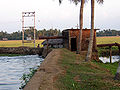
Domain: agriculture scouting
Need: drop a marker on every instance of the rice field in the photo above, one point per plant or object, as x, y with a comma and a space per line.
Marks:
108, 40
18, 43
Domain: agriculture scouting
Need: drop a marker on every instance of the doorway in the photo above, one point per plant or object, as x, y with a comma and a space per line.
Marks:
73, 44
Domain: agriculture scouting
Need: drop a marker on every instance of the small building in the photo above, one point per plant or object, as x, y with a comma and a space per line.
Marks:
69, 40
71, 37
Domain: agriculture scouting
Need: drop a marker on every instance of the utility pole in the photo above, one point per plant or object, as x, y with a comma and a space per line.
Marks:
27, 14
22, 28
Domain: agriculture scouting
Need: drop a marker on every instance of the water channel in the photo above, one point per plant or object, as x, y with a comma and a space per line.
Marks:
12, 69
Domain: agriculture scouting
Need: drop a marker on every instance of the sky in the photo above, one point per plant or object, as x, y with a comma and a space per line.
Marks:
49, 14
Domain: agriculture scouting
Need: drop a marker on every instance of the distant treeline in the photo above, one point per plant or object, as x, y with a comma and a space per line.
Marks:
108, 33
51, 32
18, 34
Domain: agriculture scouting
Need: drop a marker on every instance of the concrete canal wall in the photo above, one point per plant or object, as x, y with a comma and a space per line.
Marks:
21, 50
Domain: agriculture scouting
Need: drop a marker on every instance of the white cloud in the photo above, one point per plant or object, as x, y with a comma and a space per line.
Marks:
50, 14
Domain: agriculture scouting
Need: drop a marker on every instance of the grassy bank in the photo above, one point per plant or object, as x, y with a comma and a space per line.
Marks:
80, 75
111, 67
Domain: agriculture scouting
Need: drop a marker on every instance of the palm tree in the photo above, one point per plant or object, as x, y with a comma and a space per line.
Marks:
90, 46
81, 27
80, 22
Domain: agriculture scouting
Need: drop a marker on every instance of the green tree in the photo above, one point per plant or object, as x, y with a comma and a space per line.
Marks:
90, 46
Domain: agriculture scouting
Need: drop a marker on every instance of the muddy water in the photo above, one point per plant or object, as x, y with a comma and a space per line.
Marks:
107, 59
12, 69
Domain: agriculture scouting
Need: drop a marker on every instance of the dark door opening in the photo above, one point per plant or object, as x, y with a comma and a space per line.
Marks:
73, 44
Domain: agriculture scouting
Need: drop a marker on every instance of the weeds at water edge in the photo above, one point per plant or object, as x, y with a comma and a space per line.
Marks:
26, 77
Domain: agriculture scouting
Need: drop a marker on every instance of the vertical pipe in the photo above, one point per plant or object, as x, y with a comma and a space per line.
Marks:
34, 29
22, 28
110, 54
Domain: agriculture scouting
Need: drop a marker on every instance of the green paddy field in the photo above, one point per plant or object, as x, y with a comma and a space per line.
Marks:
108, 40
18, 43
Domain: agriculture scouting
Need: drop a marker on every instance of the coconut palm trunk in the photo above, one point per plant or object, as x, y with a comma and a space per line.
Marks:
81, 27
89, 53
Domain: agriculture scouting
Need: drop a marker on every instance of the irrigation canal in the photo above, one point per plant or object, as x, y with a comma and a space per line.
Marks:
13, 68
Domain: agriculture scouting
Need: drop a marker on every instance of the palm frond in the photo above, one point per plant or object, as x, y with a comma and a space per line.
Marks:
77, 1
100, 1
60, 1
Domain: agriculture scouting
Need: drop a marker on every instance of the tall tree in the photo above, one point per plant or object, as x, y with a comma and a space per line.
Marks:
80, 22
90, 46
81, 26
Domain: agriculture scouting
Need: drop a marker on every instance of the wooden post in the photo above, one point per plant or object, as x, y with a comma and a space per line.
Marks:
47, 45
110, 48
119, 51
69, 41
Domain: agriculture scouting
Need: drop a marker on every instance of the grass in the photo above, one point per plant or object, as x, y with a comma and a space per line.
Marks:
80, 75
18, 43
108, 40
111, 67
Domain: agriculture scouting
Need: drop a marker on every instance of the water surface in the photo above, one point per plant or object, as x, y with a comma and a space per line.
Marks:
12, 69
107, 59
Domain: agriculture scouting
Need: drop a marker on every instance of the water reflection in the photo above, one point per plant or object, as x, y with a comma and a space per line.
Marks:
12, 69
107, 59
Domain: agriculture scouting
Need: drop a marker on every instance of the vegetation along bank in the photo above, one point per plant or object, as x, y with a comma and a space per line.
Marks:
65, 70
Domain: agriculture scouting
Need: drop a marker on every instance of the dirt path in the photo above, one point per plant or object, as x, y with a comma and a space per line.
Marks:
47, 73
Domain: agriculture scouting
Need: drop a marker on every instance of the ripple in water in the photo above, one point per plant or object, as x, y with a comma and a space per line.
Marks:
12, 69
